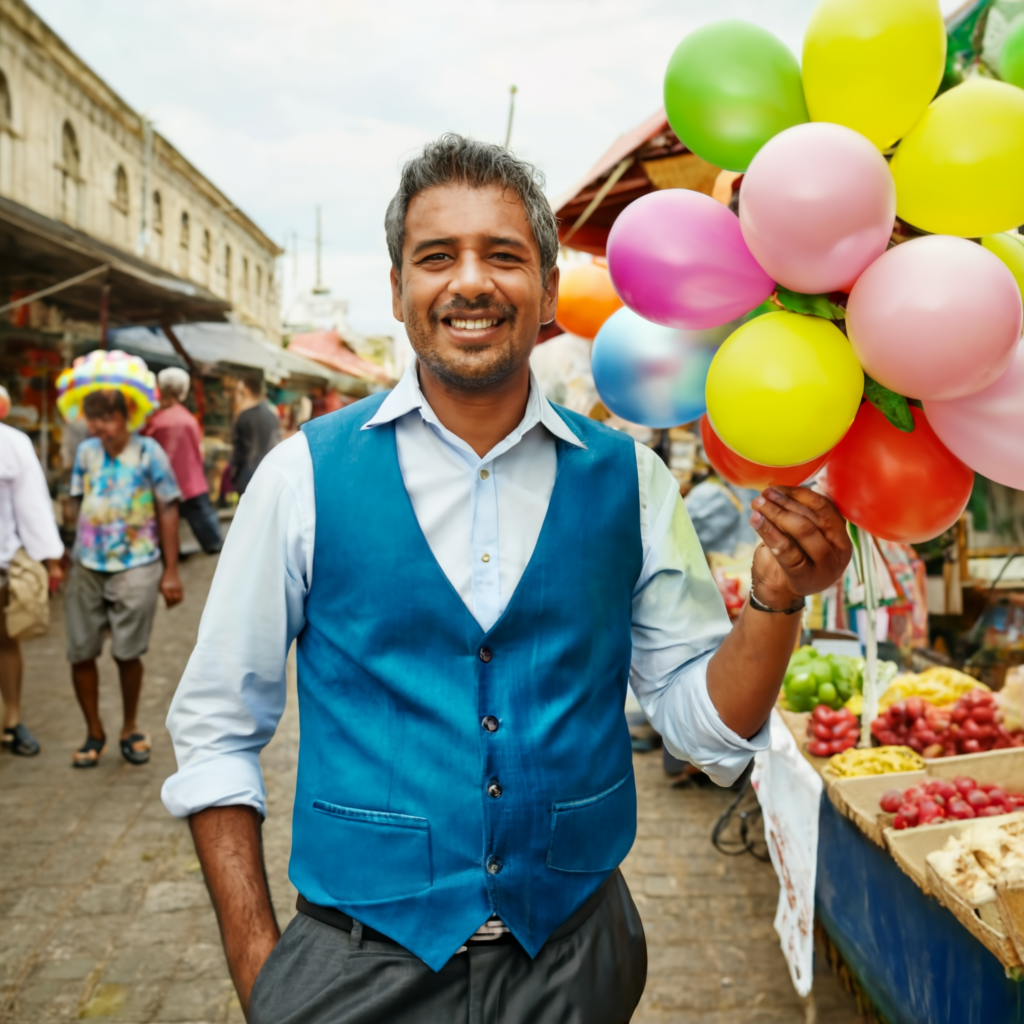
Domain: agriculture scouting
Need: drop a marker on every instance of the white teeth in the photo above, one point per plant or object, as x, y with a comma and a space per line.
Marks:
473, 325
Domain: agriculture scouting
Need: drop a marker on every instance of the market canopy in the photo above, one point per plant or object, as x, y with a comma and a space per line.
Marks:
38, 253
327, 347
648, 158
231, 345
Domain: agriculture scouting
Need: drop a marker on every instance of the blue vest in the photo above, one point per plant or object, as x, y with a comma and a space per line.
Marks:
409, 711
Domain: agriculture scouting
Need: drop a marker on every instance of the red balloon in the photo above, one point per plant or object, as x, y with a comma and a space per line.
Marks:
743, 473
897, 486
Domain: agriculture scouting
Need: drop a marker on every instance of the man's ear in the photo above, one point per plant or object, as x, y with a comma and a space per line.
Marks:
396, 296
549, 298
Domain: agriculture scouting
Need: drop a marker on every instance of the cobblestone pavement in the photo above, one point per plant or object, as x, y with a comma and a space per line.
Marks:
105, 915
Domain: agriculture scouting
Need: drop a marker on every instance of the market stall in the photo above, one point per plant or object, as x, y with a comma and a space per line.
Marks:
913, 865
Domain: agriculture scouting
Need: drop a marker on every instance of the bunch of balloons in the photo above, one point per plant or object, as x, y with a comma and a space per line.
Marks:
890, 356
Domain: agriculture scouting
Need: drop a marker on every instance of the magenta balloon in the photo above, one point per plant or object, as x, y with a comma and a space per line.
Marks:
677, 257
935, 318
817, 207
986, 429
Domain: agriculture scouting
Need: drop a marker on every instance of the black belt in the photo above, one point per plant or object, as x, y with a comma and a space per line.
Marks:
343, 922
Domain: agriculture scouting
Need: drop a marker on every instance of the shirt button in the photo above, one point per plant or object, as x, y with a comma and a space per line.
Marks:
494, 865
485, 654
494, 789
484, 474
490, 723
485, 557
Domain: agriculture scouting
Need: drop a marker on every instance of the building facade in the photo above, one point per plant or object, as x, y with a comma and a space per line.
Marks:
72, 150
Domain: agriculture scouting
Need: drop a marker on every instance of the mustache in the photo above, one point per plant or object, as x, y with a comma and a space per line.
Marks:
461, 305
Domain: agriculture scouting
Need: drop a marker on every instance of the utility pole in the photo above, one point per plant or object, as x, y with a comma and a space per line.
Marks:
295, 261
147, 164
319, 244
512, 90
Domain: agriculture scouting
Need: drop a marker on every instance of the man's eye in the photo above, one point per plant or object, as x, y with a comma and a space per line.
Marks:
434, 257
506, 256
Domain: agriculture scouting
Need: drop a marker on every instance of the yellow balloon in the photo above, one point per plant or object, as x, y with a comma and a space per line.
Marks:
1010, 249
873, 65
959, 171
784, 388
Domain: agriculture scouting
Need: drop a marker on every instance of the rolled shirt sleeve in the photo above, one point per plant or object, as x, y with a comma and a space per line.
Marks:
679, 620
232, 694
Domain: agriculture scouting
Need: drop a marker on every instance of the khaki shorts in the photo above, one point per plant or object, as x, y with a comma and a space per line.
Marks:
123, 602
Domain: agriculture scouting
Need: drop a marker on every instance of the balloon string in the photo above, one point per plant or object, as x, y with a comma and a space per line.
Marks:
866, 564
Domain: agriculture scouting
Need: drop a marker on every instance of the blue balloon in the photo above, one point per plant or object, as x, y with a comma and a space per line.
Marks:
654, 375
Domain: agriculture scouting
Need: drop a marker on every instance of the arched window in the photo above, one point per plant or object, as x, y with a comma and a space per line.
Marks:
121, 188
184, 237
245, 274
158, 214
227, 271
70, 173
5, 100
70, 157
259, 280
206, 246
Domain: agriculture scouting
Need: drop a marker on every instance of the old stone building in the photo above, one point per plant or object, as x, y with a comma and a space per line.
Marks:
73, 151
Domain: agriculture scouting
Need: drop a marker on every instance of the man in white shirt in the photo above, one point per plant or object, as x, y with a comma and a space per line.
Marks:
472, 575
26, 521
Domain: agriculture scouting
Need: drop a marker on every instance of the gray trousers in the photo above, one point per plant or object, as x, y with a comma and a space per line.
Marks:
593, 974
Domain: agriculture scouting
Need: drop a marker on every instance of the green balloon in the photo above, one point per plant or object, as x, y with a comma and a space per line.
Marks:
1011, 59
730, 86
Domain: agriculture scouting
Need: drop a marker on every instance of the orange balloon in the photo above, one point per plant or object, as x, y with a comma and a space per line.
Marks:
586, 299
744, 473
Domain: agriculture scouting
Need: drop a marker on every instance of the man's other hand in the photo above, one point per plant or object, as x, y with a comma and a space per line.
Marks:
806, 547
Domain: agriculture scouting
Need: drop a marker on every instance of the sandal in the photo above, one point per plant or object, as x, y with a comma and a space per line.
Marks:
20, 740
88, 755
135, 748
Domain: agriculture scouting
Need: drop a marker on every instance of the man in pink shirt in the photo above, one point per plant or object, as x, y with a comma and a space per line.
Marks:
175, 429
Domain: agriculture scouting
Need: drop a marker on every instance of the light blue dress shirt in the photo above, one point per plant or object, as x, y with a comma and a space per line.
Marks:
481, 517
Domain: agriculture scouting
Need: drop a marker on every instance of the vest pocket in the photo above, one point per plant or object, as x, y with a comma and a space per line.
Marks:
368, 856
596, 833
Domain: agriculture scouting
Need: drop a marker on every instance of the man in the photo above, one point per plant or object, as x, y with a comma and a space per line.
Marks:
255, 432
472, 576
175, 429
26, 521
127, 520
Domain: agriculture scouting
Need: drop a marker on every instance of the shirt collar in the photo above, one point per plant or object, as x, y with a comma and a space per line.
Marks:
407, 397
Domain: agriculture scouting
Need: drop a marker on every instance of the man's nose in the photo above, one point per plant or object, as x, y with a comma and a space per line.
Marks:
471, 278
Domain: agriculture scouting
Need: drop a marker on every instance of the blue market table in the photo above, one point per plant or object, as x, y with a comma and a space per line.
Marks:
911, 957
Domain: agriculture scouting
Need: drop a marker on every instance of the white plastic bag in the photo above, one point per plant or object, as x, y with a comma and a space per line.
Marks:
789, 791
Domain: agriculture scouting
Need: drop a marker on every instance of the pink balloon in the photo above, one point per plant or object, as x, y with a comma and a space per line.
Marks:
935, 318
817, 206
677, 257
986, 429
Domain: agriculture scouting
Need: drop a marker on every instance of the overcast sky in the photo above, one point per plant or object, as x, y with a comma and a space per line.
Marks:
288, 103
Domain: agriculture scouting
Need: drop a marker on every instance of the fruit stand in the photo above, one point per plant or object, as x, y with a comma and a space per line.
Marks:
920, 860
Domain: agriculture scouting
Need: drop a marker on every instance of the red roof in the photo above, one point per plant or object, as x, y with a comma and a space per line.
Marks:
326, 347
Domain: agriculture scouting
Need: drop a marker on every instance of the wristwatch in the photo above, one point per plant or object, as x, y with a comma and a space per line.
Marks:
758, 606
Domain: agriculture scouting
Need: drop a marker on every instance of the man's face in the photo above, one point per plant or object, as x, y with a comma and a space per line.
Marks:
111, 429
471, 294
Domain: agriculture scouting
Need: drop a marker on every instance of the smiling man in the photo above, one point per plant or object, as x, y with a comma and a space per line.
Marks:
471, 575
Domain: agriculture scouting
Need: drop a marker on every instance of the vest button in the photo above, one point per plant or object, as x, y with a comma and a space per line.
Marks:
494, 789
485, 654
494, 865
490, 723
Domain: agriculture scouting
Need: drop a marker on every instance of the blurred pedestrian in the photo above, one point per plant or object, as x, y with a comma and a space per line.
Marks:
175, 429
128, 516
26, 521
256, 430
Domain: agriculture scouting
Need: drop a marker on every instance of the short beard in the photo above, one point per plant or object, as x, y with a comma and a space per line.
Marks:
464, 376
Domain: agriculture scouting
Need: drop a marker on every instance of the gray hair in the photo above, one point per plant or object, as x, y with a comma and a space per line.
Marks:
454, 159
174, 382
